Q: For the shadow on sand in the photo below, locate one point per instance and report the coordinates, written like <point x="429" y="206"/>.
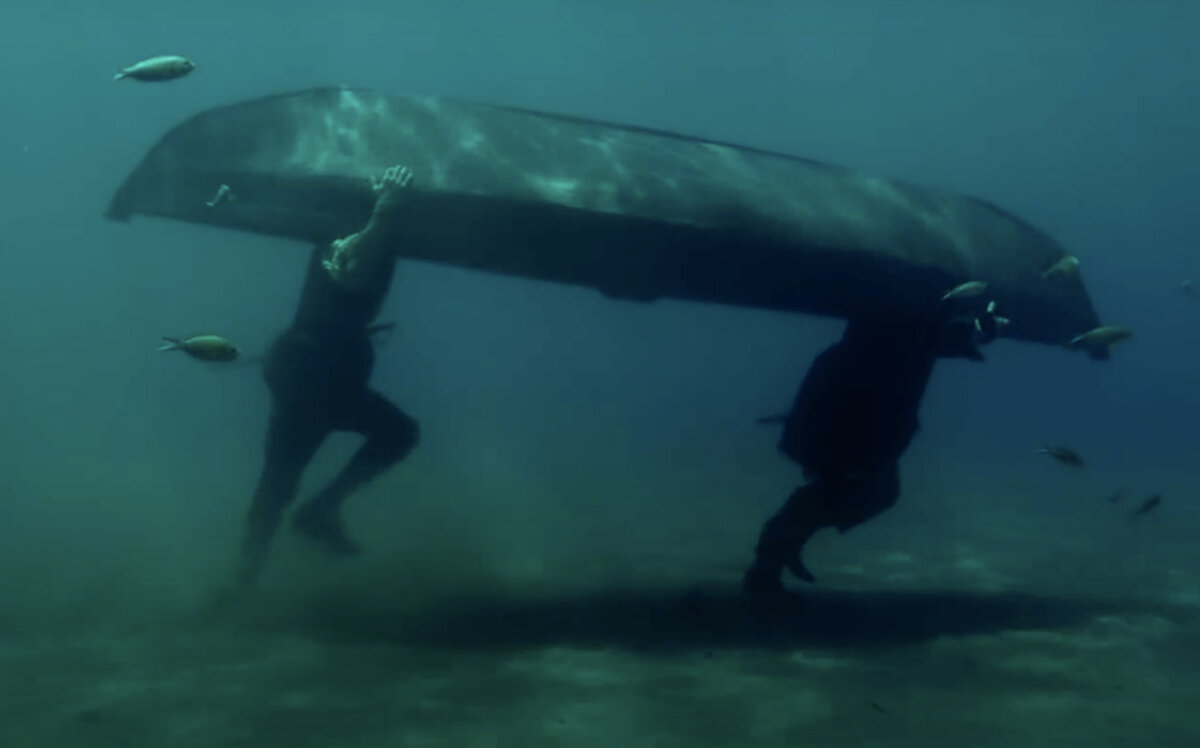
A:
<point x="697" y="619"/>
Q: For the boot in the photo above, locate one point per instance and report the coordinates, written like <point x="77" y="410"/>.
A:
<point x="781" y="542"/>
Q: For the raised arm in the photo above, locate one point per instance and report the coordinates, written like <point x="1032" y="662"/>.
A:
<point x="356" y="258"/>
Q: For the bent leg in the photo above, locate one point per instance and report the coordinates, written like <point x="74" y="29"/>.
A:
<point x="391" y="435"/>
<point x="292" y="439"/>
<point x="868" y="498"/>
<point x="783" y="538"/>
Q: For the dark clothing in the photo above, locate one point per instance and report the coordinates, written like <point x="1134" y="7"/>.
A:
<point x="856" y="410"/>
<point x="853" y="417"/>
<point x="848" y="502"/>
<point x="317" y="372"/>
<point x="331" y="311"/>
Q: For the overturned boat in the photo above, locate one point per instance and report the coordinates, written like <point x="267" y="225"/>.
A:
<point x="636" y="213"/>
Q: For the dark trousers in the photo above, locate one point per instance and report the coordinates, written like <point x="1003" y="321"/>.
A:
<point x="840" y="501"/>
<point x="317" y="390"/>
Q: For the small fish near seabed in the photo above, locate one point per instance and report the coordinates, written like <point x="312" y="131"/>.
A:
<point x="155" y="69"/>
<point x="203" y="347"/>
<point x="1067" y="266"/>
<point x="1147" y="506"/>
<point x="1100" y="339"/>
<point x="968" y="290"/>
<point x="1065" y="455"/>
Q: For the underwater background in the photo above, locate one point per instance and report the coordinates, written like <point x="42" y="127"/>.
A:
<point x="558" y="562"/>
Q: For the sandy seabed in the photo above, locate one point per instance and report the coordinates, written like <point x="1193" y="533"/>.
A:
<point x="880" y="655"/>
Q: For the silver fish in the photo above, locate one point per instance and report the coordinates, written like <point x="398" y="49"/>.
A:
<point x="1068" y="265"/>
<point x="1100" y="338"/>
<point x="162" y="68"/>
<point x="204" y="347"/>
<point x="968" y="290"/>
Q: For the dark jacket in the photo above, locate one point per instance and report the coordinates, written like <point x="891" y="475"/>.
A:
<point x="856" y="410"/>
<point x="326" y="350"/>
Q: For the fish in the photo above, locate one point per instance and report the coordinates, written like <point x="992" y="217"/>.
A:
<point x="968" y="290"/>
<point x="1146" y="506"/>
<point x="1065" y="455"/>
<point x="1188" y="288"/>
<point x="1068" y="265"/>
<point x="161" y="68"/>
<point x="1116" y="496"/>
<point x="206" y="347"/>
<point x="1100" y="339"/>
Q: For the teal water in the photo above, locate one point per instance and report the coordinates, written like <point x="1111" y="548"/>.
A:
<point x="557" y="563"/>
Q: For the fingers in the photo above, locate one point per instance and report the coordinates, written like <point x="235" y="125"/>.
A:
<point x="394" y="176"/>
<point x="397" y="175"/>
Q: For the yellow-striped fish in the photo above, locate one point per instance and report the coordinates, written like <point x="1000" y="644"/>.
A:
<point x="204" y="347"/>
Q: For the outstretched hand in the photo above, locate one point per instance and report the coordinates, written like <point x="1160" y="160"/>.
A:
<point x="357" y="256"/>
<point x="965" y="330"/>
<point x="395" y="175"/>
<point x="389" y="185"/>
